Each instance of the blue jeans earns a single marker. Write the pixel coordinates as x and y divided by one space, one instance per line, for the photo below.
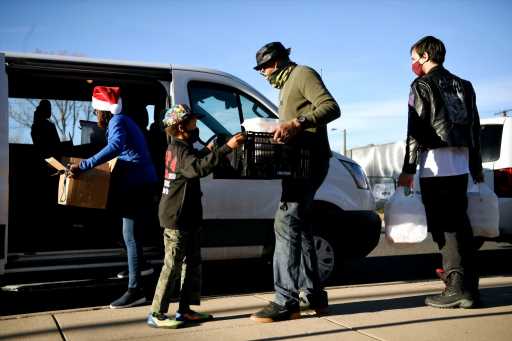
295 260
133 241
134 206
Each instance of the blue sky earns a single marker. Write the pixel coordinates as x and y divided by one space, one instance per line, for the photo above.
361 48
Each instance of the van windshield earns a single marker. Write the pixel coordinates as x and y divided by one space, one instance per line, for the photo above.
490 141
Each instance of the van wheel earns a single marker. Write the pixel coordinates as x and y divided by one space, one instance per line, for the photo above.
342 235
326 240
326 257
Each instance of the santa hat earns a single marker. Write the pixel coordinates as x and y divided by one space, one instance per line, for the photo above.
107 98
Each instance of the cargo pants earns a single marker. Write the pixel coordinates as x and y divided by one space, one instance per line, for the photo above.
180 278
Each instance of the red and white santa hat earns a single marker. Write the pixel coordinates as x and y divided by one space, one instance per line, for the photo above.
107 98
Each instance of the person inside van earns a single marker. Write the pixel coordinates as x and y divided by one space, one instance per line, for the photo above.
180 215
132 183
43 132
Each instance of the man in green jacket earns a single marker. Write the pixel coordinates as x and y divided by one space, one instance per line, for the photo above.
305 108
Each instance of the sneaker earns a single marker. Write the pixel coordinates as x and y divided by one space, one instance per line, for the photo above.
320 305
162 321
193 316
274 312
146 271
130 298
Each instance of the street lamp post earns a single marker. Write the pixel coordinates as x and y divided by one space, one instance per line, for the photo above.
344 135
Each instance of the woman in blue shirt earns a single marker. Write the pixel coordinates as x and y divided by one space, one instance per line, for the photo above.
132 184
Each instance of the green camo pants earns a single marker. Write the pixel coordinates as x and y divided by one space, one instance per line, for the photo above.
180 278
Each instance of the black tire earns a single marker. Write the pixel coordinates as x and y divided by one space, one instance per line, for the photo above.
342 235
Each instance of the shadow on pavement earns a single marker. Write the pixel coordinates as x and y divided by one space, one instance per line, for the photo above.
382 325
490 297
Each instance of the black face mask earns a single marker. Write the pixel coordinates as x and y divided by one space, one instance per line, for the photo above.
193 135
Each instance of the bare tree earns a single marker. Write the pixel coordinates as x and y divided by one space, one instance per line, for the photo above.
65 114
22 114
60 53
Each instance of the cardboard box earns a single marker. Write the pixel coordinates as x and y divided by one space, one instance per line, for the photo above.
89 189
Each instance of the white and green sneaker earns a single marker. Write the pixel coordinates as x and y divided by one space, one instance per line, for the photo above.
163 321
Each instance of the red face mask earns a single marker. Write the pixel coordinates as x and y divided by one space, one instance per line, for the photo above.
416 68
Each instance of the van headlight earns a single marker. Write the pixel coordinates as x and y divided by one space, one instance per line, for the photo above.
357 174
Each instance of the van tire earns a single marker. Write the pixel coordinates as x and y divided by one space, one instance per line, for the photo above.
350 234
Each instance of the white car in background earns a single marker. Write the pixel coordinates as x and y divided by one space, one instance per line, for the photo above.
496 147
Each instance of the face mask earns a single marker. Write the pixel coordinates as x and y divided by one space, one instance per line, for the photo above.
416 68
193 135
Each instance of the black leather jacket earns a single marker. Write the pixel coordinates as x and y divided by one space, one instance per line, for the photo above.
442 113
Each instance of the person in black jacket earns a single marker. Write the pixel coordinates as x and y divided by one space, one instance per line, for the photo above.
443 138
180 214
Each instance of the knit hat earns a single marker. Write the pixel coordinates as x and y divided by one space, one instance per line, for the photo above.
177 114
107 98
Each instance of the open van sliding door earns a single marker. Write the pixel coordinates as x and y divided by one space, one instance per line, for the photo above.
4 164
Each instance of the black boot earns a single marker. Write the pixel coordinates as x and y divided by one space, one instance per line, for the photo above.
453 296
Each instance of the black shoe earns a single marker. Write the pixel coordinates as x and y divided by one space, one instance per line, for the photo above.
146 270
131 298
453 296
320 303
274 312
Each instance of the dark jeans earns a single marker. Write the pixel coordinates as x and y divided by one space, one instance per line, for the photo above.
295 260
446 203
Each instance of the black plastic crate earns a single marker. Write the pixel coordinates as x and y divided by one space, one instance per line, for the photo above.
262 158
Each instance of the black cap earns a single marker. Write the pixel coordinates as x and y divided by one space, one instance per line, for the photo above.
269 52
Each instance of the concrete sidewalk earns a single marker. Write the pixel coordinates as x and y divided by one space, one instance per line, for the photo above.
389 311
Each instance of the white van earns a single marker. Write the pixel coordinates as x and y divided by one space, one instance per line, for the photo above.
496 147
36 234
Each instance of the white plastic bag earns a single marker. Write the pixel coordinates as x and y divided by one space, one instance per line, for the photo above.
483 211
261 125
404 218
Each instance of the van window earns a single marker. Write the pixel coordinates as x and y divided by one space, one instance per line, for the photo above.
65 116
224 108
218 105
251 109
205 133
490 141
